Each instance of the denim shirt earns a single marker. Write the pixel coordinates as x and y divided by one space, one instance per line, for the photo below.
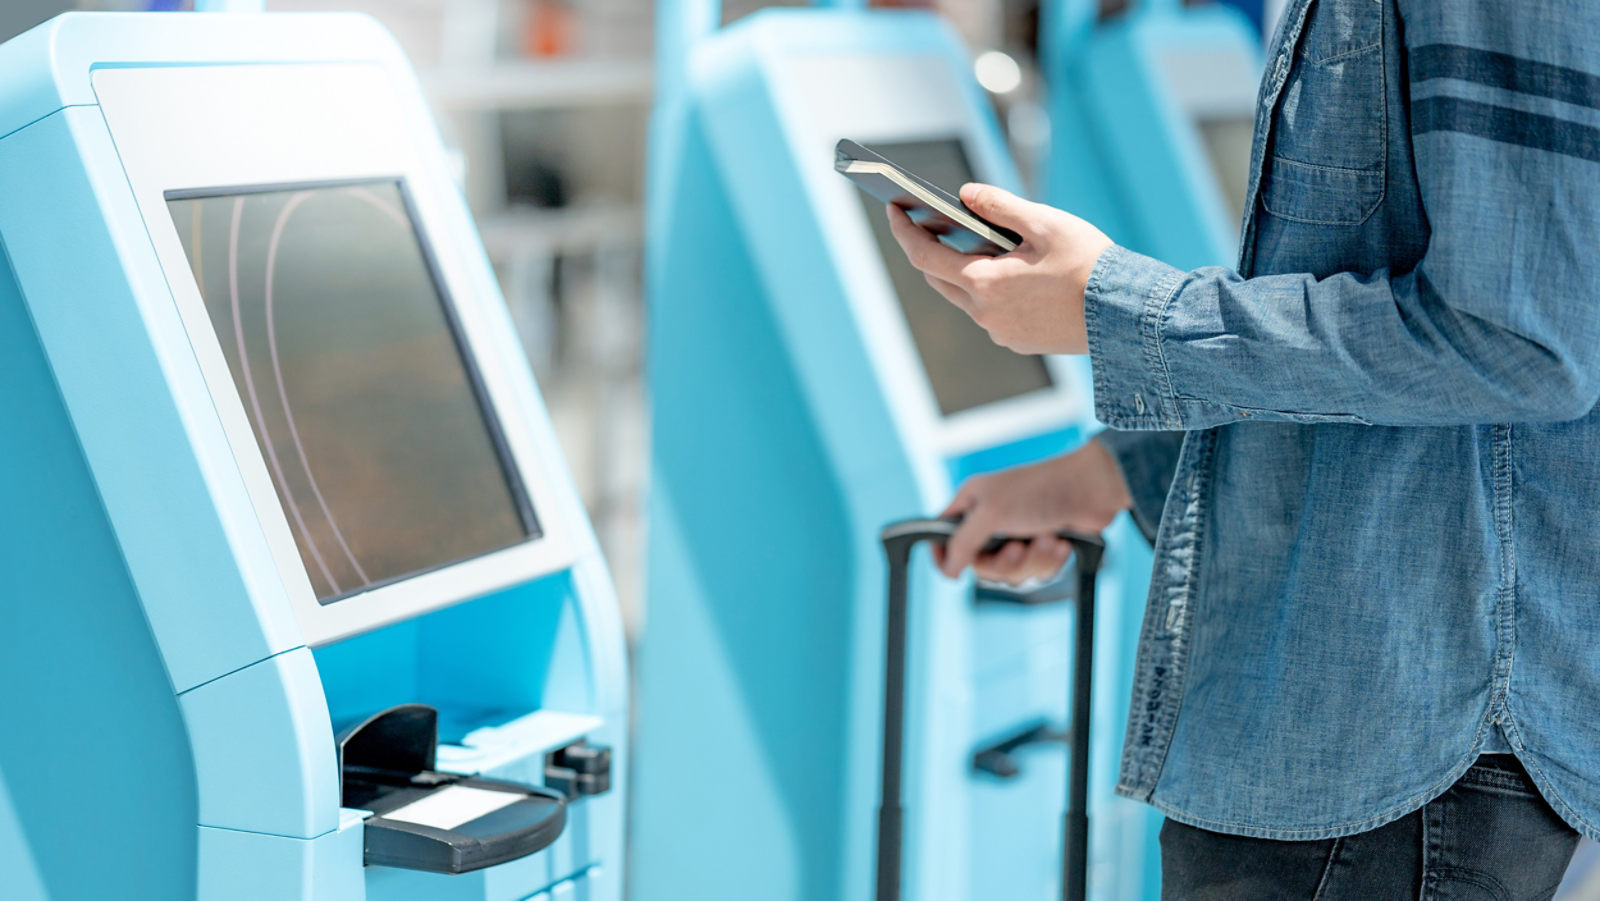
1377 553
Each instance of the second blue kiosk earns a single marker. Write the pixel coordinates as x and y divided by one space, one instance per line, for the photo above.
809 388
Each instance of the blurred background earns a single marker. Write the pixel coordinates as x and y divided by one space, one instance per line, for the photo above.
544 105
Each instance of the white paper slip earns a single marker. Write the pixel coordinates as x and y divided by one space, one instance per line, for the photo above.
452 806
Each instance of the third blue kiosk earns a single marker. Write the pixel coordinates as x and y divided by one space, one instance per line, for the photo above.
1152 113
808 389
301 602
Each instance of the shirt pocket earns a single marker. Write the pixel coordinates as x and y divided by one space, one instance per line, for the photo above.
1330 130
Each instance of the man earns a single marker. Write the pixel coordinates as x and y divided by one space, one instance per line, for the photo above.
1369 460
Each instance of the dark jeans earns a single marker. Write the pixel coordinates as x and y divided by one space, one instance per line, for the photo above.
1489 838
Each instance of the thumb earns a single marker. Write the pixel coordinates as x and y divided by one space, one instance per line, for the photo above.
999 206
963 548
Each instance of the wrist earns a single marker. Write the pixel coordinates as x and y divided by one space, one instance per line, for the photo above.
1109 478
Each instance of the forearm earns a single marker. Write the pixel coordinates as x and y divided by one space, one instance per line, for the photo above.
1191 350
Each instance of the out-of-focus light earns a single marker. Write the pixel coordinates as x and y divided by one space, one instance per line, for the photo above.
997 72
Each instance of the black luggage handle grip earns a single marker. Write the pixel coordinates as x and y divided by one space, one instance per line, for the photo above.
899 539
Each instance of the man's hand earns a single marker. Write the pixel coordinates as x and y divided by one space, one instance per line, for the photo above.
1029 300
1082 492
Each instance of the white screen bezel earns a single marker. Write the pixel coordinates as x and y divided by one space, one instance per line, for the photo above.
253 125
893 99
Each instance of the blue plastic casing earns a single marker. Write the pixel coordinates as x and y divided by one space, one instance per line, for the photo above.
781 448
168 732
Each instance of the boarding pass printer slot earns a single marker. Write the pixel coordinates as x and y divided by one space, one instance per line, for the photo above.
424 819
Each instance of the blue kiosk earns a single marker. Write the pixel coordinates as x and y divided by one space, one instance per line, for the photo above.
809 388
1152 114
300 601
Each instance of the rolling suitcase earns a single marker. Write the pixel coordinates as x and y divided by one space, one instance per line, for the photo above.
898 541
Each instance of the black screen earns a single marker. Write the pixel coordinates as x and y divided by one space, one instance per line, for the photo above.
965 368
352 373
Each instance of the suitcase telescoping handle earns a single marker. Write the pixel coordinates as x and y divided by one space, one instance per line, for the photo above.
898 541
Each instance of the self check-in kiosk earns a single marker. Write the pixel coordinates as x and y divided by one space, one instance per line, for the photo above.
300 599
809 388
1152 112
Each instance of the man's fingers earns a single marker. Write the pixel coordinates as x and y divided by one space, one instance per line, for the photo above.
923 249
1001 207
1046 555
964 500
950 292
1004 565
1019 561
964 546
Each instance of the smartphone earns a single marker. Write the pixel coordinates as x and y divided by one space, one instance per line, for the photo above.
929 206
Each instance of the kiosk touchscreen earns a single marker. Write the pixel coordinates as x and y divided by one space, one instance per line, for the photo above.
305 604
1152 116
324 300
809 387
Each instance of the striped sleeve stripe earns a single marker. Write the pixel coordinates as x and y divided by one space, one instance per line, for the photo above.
1506 125
1502 70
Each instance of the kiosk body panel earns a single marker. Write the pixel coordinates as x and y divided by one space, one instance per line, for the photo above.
73 627
75 239
767 782
186 619
254 866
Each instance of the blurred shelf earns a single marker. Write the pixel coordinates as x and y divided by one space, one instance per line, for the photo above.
540 84
557 231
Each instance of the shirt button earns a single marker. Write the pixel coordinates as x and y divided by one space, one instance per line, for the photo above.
1138 403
